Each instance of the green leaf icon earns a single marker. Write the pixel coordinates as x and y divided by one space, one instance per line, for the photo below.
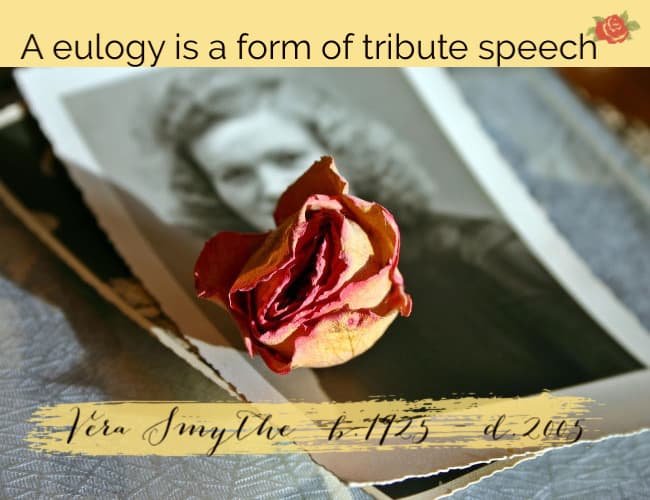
624 16
599 19
591 31
632 26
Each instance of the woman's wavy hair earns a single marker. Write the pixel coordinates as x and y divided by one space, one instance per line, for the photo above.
377 164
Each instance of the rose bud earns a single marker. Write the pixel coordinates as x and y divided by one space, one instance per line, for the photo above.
318 290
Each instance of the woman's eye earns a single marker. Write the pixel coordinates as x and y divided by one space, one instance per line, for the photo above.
285 158
237 173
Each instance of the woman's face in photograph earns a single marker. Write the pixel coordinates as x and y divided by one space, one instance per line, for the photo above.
251 159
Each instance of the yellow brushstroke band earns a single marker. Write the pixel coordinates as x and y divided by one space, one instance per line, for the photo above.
193 428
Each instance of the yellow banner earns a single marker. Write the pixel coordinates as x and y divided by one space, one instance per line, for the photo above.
333 33
191 428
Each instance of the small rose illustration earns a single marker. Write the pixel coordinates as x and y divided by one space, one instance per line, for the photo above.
318 290
613 29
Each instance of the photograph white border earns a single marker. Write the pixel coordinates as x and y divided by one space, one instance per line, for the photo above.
523 213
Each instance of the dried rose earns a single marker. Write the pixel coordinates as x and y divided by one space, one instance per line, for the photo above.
318 290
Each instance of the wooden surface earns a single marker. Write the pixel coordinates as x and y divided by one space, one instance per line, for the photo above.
627 89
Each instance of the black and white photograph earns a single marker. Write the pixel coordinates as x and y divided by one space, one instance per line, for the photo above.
168 158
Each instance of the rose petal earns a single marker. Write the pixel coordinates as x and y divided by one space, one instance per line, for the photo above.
368 293
291 291
275 361
321 178
339 337
354 251
398 298
220 262
356 248
360 280
343 335
279 250
378 224
275 308
273 255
